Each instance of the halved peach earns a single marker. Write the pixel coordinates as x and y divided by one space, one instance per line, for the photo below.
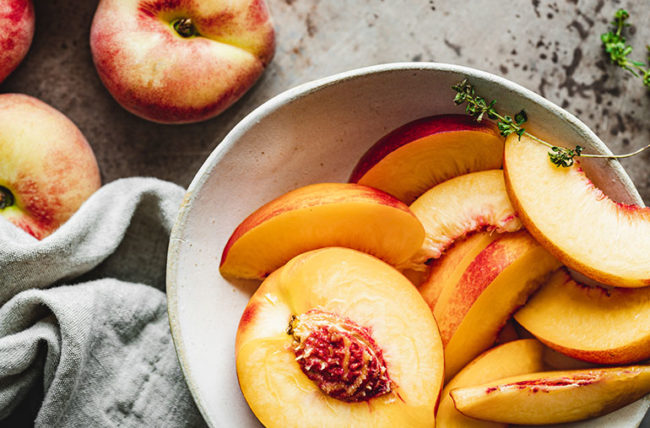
475 303
462 205
317 216
338 338
511 359
415 157
554 397
605 326
575 221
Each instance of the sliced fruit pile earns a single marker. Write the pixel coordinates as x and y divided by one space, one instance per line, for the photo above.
367 304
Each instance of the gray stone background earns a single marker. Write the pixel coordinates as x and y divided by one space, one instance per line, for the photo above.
550 47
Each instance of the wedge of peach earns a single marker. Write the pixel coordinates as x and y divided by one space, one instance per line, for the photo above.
475 303
511 359
604 240
317 216
605 326
462 205
415 157
338 338
554 397
450 268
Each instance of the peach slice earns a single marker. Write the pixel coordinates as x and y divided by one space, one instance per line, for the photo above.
511 359
338 338
417 156
317 216
604 240
449 269
477 301
462 205
554 397
605 326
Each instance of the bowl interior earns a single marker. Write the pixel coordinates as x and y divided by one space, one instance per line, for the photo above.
313 133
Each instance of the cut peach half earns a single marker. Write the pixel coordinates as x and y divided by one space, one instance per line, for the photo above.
605 326
511 359
461 205
339 338
317 216
417 156
554 397
475 303
607 241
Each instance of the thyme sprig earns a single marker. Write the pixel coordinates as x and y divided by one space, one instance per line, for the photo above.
479 108
619 51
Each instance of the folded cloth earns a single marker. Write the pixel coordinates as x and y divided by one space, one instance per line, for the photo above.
97 353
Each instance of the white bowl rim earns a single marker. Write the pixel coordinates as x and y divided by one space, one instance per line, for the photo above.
301 91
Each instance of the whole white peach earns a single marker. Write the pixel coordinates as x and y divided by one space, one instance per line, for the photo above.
47 168
180 61
16 33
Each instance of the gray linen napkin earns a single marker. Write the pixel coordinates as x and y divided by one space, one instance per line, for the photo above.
97 353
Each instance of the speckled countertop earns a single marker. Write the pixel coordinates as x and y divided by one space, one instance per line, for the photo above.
550 47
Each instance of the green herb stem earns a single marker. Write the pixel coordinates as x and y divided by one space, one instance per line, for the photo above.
479 108
619 51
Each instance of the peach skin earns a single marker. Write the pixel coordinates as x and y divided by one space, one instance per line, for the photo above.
47 170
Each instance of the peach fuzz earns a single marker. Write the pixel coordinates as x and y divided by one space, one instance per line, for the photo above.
415 157
462 205
16 33
349 289
511 359
598 325
48 169
575 221
180 61
473 307
317 216
554 397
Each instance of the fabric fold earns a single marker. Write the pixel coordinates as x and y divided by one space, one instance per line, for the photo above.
142 210
93 349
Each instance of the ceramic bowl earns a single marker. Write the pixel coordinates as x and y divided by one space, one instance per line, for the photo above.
315 132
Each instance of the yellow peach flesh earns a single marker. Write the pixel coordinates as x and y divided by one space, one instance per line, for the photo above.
365 290
317 216
574 220
606 326
417 156
554 397
462 205
471 312
511 359
448 269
